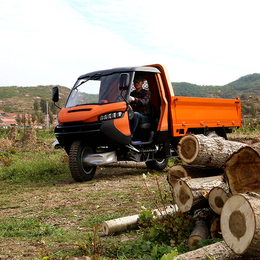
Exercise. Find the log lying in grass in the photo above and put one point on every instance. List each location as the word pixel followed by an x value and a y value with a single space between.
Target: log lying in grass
pixel 218 196
pixel 206 151
pixel 217 251
pixel 243 171
pixel 199 232
pixel 181 171
pixel 240 224
pixel 131 222
pixel 188 192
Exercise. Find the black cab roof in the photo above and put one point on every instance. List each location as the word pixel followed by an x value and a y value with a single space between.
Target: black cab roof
pixel 120 70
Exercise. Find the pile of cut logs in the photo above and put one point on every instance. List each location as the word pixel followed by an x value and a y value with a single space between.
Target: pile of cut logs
pixel 220 185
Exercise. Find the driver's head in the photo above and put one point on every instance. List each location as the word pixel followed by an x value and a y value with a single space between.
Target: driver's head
pixel 138 82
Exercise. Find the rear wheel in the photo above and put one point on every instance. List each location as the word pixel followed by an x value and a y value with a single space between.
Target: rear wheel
pixel 80 170
pixel 211 134
pixel 158 165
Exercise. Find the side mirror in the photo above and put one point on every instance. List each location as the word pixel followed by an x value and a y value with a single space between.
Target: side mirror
pixel 55 94
pixel 124 81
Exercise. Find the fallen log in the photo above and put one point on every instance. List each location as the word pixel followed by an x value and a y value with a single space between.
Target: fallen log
pixel 199 232
pixel 217 251
pixel 189 192
pixel 218 196
pixel 243 171
pixel 207 151
pixel 240 224
pixel 131 222
pixel 180 171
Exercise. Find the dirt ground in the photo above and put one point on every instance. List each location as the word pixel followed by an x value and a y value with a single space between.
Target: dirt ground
pixel 67 204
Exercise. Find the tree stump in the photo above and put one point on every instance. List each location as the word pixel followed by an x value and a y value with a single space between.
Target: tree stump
pixel 243 171
pixel 207 151
pixel 199 232
pixel 189 192
pixel 240 224
pixel 217 251
pixel 218 196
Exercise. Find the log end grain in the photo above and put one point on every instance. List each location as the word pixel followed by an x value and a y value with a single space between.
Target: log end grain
pixel 183 196
pixel 242 170
pixel 238 223
pixel 217 198
pixel 188 148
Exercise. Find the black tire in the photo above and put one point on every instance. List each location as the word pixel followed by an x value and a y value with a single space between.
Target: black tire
pixel 158 165
pixel 80 171
pixel 211 134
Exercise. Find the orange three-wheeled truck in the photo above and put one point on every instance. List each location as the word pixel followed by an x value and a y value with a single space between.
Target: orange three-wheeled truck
pixel 94 124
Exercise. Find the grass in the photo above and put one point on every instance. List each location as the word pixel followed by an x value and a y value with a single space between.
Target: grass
pixel 45 213
pixel 39 201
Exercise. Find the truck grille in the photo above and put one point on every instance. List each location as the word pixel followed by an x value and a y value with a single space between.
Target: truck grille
pixel 77 127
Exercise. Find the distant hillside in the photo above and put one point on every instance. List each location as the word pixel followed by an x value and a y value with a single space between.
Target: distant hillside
pixel 18 99
pixel 248 85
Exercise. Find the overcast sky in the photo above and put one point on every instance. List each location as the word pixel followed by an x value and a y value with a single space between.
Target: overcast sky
pixel 205 42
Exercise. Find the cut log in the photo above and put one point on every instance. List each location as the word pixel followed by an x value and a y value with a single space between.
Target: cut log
pixel 200 231
pixel 120 224
pixel 256 147
pixel 207 151
pixel 243 171
pixel 218 196
pixel 217 251
pixel 215 230
pixel 181 171
pixel 189 192
pixel 240 224
pixel 131 222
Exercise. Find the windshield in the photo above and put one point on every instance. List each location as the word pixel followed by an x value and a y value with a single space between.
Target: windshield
pixel 101 90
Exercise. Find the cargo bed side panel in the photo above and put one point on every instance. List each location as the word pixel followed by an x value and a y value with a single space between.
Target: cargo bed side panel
pixel 190 112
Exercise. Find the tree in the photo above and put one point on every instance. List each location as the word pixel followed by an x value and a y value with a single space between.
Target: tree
pixel 36 105
pixel 243 96
pixel 40 118
pixel 53 108
pixel 43 106
pixel 34 118
pixel 18 119
pixel 252 110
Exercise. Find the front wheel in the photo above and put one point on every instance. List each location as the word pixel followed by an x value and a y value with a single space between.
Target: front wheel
pixel 158 165
pixel 80 170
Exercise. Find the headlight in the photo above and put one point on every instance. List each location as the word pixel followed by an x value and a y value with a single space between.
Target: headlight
pixel 112 115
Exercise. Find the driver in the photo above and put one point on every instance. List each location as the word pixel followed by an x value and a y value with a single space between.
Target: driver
pixel 139 100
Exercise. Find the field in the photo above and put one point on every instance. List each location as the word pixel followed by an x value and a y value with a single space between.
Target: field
pixel 45 214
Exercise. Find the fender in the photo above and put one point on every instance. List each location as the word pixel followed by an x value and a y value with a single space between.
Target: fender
pixel 117 131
